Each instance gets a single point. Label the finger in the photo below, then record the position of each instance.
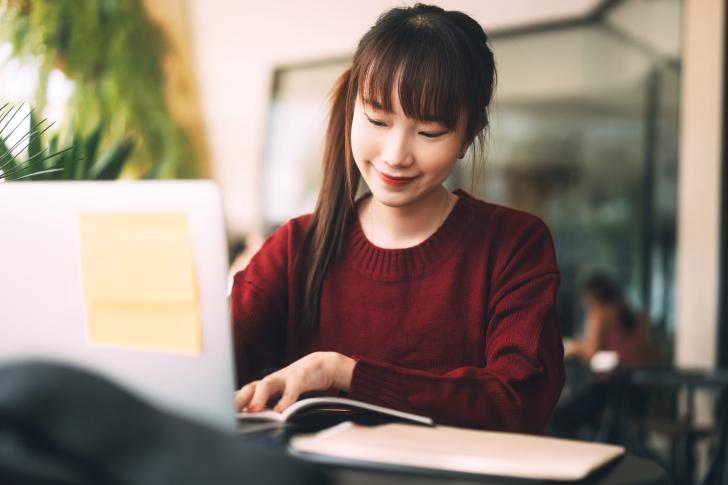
(264, 390)
(288, 398)
(244, 395)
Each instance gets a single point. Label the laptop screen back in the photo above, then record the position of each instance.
(46, 292)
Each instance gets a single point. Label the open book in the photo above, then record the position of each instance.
(331, 406)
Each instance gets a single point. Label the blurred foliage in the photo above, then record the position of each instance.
(114, 54)
(82, 160)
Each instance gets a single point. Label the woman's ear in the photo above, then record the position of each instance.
(469, 141)
(464, 149)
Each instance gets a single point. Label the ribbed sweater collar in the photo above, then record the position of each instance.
(408, 263)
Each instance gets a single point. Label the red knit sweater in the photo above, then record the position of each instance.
(462, 327)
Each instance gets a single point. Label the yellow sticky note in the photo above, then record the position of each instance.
(139, 281)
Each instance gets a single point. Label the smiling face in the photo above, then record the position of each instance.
(402, 159)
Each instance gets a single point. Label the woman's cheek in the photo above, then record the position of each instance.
(355, 139)
(440, 157)
(363, 145)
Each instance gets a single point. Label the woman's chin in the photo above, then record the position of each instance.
(399, 198)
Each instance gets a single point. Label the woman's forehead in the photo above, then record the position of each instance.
(396, 110)
(374, 98)
(387, 98)
(380, 87)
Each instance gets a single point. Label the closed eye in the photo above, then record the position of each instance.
(375, 122)
(432, 134)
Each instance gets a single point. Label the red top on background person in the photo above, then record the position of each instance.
(412, 297)
(610, 324)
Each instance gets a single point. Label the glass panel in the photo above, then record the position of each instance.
(294, 145)
(584, 134)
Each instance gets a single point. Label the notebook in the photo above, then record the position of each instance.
(458, 450)
(63, 246)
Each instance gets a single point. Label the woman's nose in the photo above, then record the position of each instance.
(396, 150)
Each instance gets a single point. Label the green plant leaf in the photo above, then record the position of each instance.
(92, 143)
(40, 167)
(109, 165)
(89, 153)
(7, 160)
(39, 162)
(114, 54)
(4, 151)
(5, 156)
(34, 142)
(71, 158)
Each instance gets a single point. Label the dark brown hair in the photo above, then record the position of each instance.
(444, 68)
(605, 289)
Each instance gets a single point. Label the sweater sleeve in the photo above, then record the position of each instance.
(517, 387)
(258, 304)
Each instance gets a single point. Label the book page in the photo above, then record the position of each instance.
(139, 281)
(332, 405)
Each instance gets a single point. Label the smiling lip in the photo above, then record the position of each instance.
(396, 181)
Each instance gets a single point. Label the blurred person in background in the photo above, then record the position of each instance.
(595, 387)
(610, 325)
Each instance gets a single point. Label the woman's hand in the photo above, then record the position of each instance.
(318, 371)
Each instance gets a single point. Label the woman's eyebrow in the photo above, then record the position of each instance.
(426, 119)
(375, 104)
(434, 119)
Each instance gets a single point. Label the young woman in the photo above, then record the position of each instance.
(412, 297)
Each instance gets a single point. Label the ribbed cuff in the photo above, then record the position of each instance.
(375, 383)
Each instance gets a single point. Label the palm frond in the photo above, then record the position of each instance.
(32, 156)
(39, 161)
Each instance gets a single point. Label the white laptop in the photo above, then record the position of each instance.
(44, 303)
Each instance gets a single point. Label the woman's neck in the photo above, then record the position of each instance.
(403, 227)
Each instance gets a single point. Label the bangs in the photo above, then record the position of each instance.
(427, 65)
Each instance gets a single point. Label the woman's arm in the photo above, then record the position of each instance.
(589, 343)
(515, 390)
(592, 337)
(258, 306)
(258, 331)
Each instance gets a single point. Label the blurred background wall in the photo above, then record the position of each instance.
(701, 157)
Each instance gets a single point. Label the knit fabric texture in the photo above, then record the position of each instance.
(462, 327)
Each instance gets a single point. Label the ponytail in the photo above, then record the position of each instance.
(335, 205)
